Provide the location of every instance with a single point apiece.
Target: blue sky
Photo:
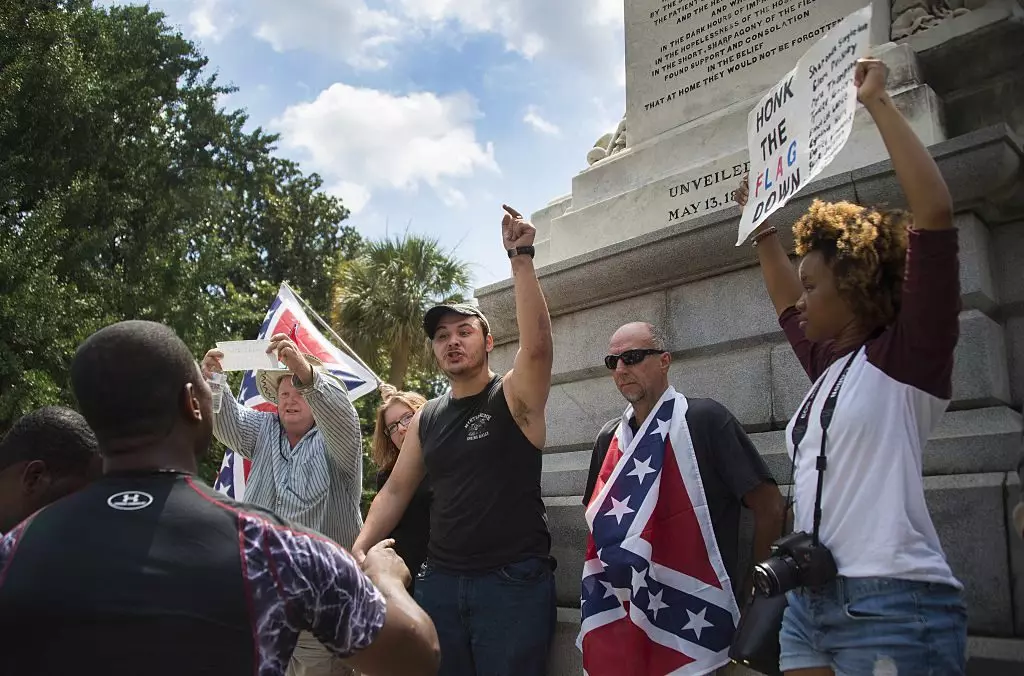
(424, 114)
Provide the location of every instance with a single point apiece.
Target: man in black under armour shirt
(150, 571)
(487, 582)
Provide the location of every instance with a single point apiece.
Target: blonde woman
(393, 418)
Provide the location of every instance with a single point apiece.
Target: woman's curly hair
(866, 249)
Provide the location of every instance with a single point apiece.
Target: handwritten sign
(803, 122)
(246, 355)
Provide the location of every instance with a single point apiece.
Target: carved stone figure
(913, 16)
(609, 144)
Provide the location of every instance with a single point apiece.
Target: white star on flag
(641, 469)
(655, 604)
(620, 508)
(609, 590)
(639, 581)
(697, 623)
(663, 426)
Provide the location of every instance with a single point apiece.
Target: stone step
(985, 656)
(972, 441)
(970, 513)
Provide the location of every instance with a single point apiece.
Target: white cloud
(451, 197)
(371, 139)
(535, 120)
(587, 34)
(347, 29)
(354, 195)
(208, 19)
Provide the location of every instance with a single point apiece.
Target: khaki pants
(311, 658)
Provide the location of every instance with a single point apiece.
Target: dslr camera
(796, 561)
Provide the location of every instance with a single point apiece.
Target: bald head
(639, 334)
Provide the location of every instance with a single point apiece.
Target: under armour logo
(129, 501)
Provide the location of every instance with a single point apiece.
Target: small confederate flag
(656, 598)
(286, 314)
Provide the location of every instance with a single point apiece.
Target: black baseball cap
(434, 314)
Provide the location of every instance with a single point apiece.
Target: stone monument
(648, 234)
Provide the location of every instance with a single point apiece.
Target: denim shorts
(876, 625)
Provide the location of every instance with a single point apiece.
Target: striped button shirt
(318, 483)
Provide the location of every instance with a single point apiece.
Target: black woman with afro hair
(873, 317)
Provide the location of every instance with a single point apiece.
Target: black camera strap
(800, 431)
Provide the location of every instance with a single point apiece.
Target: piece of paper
(803, 122)
(246, 355)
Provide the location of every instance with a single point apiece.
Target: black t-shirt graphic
(485, 474)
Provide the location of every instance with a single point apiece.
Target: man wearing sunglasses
(487, 582)
(706, 469)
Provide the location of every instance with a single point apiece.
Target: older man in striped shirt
(307, 460)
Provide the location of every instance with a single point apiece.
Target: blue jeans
(876, 625)
(493, 623)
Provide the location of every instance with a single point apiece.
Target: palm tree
(380, 296)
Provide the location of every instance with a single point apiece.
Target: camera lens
(764, 580)
(776, 575)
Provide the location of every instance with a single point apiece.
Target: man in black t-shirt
(732, 472)
(487, 582)
(149, 571)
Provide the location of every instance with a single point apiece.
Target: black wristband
(521, 251)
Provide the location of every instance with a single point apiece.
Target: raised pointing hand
(514, 230)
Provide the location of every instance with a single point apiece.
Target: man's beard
(635, 396)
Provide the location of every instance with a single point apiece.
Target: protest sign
(802, 123)
(245, 355)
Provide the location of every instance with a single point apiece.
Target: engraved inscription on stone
(692, 195)
(687, 58)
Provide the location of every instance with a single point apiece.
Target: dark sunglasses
(403, 421)
(629, 357)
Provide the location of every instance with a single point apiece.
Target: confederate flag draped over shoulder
(287, 316)
(656, 597)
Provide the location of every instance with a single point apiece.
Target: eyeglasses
(403, 421)
(629, 357)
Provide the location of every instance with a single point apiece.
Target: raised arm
(784, 288)
(919, 350)
(780, 276)
(527, 385)
(337, 419)
(235, 426)
(927, 194)
(390, 503)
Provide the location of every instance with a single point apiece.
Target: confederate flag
(656, 597)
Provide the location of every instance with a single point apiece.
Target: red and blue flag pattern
(656, 597)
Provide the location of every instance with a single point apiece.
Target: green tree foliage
(127, 191)
(381, 295)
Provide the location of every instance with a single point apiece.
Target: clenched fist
(382, 562)
(870, 78)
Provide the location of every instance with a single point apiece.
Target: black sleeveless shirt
(485, 474)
